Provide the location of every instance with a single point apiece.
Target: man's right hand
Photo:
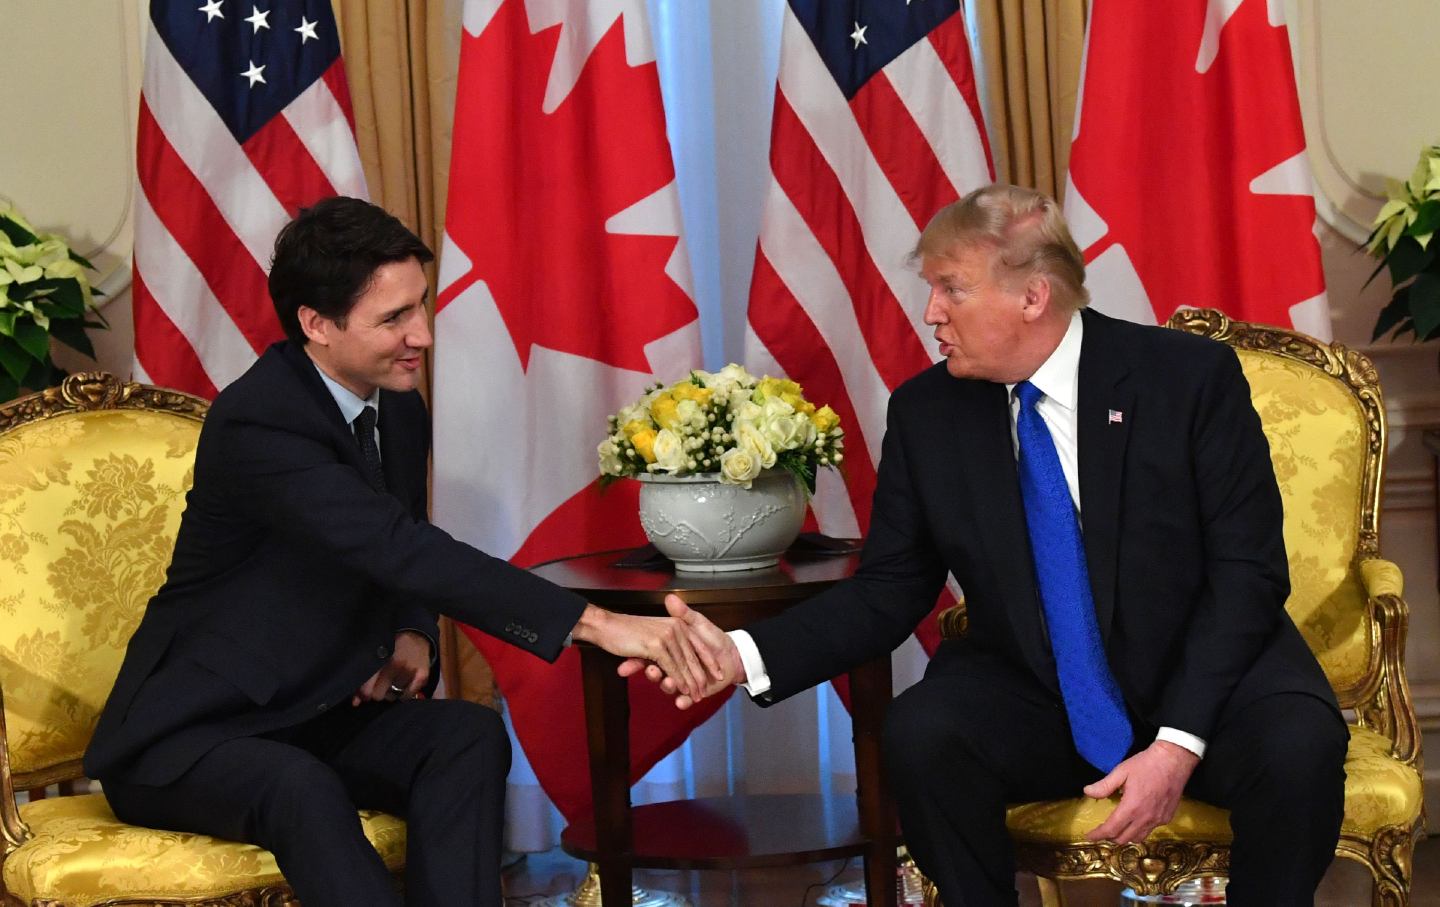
(716, 647)
(665, 643)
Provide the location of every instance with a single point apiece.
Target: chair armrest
(1390, 709)
(13, 832)
(1381, 577)
(954, 621)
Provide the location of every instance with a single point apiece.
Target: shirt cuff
(1182, 739)
(757, 680)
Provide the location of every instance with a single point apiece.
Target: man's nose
(422, 337)
(934, 311)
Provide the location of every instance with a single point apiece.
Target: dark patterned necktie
(1096, 709)
(365, 434)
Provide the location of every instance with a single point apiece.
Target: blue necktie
(1092, 697)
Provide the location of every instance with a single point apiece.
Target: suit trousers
(439, 764)
(978, 733)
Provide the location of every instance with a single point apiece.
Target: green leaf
(1392, 314)
(7, 321)
(13, 358)
(72, 334)
(68, 297)
(1427, 219)
(16, 234)
(1408, 259)
(80, 259)
(32, 338)
(1425, 304)
(9, 388)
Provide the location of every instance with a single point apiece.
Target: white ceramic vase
(706, 526)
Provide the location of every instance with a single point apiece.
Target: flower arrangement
(727, 422)
(1402, 240)
(44, 293)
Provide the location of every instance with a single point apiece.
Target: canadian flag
(564, 291)
(1189, 183)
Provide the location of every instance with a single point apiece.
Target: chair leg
(1391, 854)
(1051, 894)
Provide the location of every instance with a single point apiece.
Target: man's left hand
(407, 671)
(1151, 782)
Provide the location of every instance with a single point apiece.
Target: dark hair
(326, 257)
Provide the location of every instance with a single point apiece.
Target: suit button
(322, 706)
(533, 637)
(382, 652)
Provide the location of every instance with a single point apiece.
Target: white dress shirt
(1058, 378)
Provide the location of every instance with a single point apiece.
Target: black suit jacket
(291, 577)
(1181, 518)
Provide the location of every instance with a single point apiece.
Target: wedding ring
(398, 691)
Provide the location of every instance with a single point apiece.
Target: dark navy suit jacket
(291, 577)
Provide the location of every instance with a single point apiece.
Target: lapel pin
(1116, 417)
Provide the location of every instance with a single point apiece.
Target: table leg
(607, 721)
(870, 692)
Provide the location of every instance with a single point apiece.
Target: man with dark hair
(279, 678)
(1104, 495)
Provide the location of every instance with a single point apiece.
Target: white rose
(753, 439)
(669, 452)
(610, 462)
(738, 466)
(747, 411)
(789, 432)
(776, 407)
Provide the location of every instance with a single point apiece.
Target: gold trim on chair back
(1331, 523)
(93, 475)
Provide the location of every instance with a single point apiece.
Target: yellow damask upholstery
(93, 477)
(80, 855)
(1323, 415)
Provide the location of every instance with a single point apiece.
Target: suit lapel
(309, 377)
(1105, 416)
(994, 484)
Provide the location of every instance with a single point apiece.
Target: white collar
(1058, 377)
(350, 404)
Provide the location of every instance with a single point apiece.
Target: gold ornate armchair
(1323, 415)
(93, 476)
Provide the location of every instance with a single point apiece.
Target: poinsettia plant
(44, 293)
(1403, 240)
(729, 423)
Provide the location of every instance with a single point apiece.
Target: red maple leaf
(530, 193)
(1166, 154)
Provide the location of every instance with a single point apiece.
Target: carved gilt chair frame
(86, 392)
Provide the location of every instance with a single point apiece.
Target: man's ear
(1037, 297)
(317, 327)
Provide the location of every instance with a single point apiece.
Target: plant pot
(707, 526)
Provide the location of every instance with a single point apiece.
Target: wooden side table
(727, 832)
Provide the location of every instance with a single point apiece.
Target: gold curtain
(1030, 51)
(401, 58)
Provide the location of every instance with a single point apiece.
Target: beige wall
(67, 161)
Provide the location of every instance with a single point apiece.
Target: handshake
(685, 654)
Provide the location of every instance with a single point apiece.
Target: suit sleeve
(287, 477)
(872, 612)
(1246, 576)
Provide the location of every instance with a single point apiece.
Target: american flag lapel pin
(1116, 417)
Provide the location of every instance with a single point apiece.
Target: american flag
(877, 126)
(244, 118)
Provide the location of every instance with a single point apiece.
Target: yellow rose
(824, 419)
(662, 410)
(776, 387)
(644, 442)
(688, 391)
(634, 427)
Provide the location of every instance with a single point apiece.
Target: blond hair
(1026, 230)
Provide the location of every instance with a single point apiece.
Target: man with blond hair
(1103, 493)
